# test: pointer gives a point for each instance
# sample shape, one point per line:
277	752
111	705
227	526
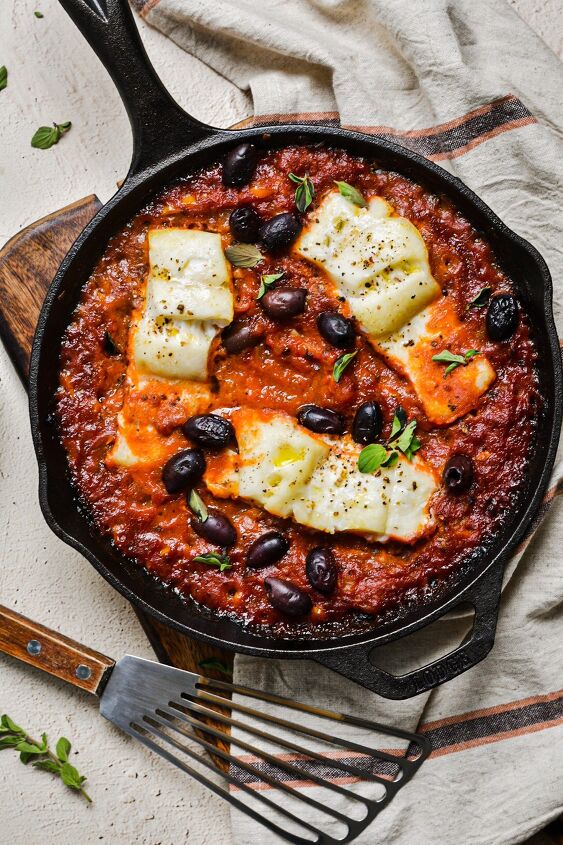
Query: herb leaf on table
47	136
217	665
13	736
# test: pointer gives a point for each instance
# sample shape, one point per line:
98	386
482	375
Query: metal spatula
176	713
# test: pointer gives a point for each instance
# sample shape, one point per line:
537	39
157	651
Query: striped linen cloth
468	84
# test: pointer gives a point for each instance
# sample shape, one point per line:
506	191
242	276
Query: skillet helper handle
159	125
53	653
356	662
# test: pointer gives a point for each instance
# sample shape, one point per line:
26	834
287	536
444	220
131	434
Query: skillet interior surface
71	521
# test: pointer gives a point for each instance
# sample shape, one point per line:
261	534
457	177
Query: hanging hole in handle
423	647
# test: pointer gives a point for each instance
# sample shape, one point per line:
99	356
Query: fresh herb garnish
47	136
3	77
402	439
372	457
351	193
406	442
304	192
267	281
109	345
213	663
341	363
453	360
197	505
481	299
391	460
244	255
12	736
39	14
214	559
399	421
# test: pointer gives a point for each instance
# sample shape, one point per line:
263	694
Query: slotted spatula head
175	713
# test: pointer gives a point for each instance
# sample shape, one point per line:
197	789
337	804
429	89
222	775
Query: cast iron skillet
168	143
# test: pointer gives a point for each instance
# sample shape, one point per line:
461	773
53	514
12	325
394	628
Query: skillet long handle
53	653
160	126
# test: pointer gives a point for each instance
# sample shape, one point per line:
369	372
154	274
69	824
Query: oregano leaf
413	447
29	747
70	776
47	136
109	345
244	255
481	299
213	559
304	192
267	281
453	359
341	363
62	749
371	457
8	742
399	422
391	460
40	753
350	193
447	357
48	766
197	505
406	436
10	725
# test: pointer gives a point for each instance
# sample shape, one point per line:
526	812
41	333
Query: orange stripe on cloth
443	141
448	736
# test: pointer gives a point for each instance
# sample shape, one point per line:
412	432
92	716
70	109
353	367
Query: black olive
238	336
458	474
287	597
209	430
502	317
280	231
217	528
239	165
321	420
244	224
336	329
368	422
267	549
321	570
183	470
283	303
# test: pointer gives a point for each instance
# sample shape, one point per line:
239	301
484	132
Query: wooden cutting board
28	263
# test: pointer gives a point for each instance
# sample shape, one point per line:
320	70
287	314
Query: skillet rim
139	181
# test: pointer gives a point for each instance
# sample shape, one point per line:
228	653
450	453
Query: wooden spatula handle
52	652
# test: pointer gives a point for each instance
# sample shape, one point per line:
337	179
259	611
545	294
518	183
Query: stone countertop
53	75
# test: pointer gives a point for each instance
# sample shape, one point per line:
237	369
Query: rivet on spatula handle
52	652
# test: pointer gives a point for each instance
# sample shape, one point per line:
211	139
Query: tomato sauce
292	366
